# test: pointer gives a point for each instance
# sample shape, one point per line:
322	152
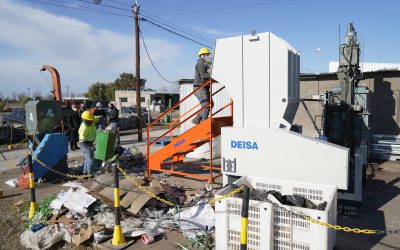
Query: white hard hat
111	103
99	104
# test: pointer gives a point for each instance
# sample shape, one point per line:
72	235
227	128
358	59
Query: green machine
42	116
105	142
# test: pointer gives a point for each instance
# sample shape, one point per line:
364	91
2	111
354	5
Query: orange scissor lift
167	158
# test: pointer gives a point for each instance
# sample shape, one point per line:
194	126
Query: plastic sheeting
44	238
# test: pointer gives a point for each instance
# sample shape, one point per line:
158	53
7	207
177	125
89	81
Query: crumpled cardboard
86	233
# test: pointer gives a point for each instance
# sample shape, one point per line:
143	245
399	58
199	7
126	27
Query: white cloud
81	52
211	31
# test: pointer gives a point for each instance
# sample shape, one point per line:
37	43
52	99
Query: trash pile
83	213
127	122
131	159
290	200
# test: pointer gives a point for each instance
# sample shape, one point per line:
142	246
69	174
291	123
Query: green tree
24	99
101	91
97	91
127	81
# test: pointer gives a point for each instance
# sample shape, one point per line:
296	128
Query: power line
166	51
121	3
122	15
79	8
105	5
183	31
45	78
151	61
386	51
230	8
175	26
173	32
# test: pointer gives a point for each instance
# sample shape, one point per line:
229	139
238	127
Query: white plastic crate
272	228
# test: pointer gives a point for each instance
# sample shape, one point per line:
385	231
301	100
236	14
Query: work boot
196	120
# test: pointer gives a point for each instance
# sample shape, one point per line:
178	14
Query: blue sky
86	47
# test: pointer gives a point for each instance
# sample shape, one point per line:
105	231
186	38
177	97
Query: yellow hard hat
203	51
87	115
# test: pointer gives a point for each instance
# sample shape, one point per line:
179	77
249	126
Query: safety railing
177	122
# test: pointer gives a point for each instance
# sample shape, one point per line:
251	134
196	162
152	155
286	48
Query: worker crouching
87	135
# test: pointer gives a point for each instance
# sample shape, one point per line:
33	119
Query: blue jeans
87	149
203	95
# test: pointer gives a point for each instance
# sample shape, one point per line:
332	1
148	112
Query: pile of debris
127	122
84	212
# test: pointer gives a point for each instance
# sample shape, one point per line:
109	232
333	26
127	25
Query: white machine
261	74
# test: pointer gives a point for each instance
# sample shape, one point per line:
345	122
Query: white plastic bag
203	152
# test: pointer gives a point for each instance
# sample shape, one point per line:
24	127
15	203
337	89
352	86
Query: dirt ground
380	210
16	202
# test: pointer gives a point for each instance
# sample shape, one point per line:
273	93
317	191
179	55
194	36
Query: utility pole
138	101
29	92
67	87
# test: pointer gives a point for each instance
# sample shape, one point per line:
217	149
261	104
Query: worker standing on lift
87	135
202	74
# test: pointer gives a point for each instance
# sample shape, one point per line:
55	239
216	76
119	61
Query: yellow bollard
118	237
33	207
244	219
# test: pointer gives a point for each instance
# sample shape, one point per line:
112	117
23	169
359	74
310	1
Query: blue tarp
51	150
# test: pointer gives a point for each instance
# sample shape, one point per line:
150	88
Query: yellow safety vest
88	133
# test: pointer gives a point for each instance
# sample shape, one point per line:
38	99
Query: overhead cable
105	5
230	8
79	8
151	61
173	32
172	25
166	50
121	3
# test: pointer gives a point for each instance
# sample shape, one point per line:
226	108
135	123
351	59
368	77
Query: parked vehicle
15	118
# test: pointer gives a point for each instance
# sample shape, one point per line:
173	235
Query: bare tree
13	95
21	95
36	93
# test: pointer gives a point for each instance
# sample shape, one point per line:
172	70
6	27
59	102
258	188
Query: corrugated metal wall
365	67
220	100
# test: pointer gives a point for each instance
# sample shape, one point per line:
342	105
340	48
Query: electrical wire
122	15
45	78
229	8
121	3
166	50
79	8
386	51
174	26
151	61
173	32
105	5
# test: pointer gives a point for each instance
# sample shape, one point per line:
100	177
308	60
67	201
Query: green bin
167	118
105	142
